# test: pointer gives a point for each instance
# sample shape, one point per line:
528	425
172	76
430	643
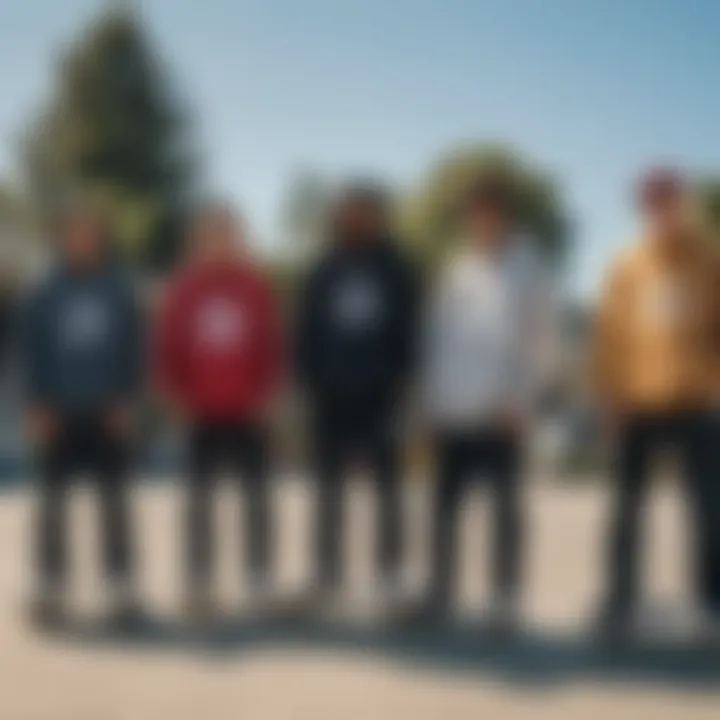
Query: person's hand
611	418
42	425
267	412
173	410
513	421
119	420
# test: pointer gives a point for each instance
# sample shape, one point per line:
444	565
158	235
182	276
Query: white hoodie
489	335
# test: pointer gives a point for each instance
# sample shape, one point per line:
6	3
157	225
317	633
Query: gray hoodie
488	335
82	346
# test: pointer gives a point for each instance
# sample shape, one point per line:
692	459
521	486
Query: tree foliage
12	209
708	204
19	246
114	129
304	212
429	215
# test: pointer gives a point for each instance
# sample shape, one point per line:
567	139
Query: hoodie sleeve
34	346
437	320
308	331
409	330
542	344
270	351
715	328
608	351
132	346
167	347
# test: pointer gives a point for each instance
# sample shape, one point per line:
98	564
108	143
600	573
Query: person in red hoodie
218	362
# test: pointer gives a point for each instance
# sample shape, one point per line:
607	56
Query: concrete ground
356	669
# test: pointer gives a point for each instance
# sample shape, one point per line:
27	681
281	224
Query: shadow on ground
529	659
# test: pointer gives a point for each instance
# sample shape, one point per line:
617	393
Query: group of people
367	342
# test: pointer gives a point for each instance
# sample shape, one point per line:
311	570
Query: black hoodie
357	328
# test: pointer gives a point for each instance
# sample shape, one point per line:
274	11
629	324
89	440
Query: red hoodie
219	348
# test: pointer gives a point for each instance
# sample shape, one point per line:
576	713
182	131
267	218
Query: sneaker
392	587
47	612
709	625
200	609
503	617
386	599
261	594
615	625
127	615
126	610
430	612
310	600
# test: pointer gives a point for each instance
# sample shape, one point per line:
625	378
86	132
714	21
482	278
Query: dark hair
491	192
366	193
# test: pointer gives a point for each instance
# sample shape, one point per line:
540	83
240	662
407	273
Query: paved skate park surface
354	666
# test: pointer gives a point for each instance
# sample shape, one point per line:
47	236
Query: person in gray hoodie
83	359
487	335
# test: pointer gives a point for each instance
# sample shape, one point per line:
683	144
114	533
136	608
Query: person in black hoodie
83	360
355	354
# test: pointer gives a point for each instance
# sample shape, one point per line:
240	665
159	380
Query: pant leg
329	462
635	444
452	467
695	439
383	460
252	460
712	572
51	541
112	457
203	459
503	464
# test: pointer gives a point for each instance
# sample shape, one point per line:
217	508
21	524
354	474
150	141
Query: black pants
640	439
496	455
242	446
83	444
711	574
344	436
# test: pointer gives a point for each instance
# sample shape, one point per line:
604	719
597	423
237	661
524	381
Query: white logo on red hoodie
220	324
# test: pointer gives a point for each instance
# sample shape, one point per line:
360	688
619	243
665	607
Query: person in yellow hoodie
657	376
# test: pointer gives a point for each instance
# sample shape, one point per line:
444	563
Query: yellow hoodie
657	329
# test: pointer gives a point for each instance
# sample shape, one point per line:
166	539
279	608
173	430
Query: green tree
114	129
11	209
20	249
304	212
429	214
708	204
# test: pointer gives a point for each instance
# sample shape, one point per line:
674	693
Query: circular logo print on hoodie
220	324
84	323
358	304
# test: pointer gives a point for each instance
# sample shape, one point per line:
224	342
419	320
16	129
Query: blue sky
594	89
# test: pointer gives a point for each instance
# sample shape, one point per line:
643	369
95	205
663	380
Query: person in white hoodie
486	339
